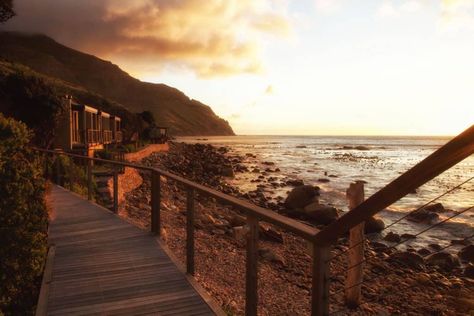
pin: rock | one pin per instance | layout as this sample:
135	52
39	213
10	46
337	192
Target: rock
361	148
443	260
237	220
409	259
301	196
469	271
227	171
374	225
423	252
436	208
271	256
408	236
268	163
467	254
269	234
301	146
392	237
240	232
295	182
324	180
322	214
435	247
423	216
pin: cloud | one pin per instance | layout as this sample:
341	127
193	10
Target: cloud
457	14
390	9
269	89
211	38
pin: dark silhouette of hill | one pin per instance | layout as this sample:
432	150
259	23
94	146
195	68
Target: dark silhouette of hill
170	106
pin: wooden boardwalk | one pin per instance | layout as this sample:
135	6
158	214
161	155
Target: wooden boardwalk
102	265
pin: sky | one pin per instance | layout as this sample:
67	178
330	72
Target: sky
289	67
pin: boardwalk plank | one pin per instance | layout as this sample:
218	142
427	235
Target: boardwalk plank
106	266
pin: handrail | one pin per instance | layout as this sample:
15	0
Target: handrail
456	150
305	231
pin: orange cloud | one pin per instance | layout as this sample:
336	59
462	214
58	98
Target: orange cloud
211	37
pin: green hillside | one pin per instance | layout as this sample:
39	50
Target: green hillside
170	106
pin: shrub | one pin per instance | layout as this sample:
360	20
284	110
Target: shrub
23	220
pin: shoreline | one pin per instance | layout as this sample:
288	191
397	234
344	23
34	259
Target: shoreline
285	264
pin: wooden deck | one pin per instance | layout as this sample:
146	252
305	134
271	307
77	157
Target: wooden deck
102	265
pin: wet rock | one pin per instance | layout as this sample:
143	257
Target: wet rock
301	146
323	180
423	216
295	182
423	252
467	254
408	236
436	208
409	259
268	163
361	148
435	247
374	225
321	214
392	237
443	260
301	196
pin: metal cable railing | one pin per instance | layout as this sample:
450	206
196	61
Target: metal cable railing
405	216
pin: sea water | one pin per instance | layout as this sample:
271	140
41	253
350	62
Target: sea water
376	160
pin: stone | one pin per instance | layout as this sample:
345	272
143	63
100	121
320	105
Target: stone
436	208
322	214
227	171
269	234
423	252
301	196
469	271
423	216
374	225
443	260
295	182
392	237
271	256
467	254
409	259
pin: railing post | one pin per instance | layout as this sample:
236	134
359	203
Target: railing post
355	195
58	171
190	231
155	203
251	272
89	179
116	184
320	280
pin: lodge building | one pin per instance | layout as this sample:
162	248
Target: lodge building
84	129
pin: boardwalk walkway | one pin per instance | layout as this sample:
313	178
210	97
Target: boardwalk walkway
103	265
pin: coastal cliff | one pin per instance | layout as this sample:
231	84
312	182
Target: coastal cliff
170	106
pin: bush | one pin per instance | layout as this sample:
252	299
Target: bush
23	220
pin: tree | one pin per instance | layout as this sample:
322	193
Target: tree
148	117
23	220
6	10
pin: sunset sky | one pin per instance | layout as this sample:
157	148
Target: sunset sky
287	67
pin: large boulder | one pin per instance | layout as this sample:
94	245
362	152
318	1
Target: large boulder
423	215
228	171
443	260
321	214
374	225
409	259
467	253
301	196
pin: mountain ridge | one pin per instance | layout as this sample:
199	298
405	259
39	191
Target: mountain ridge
170	106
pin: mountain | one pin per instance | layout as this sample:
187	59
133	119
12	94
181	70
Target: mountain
170	106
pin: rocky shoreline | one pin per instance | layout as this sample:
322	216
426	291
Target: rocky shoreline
437	283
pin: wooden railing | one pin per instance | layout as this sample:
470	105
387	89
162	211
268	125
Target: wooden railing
118	137
254	214
93	136
107	136
322	241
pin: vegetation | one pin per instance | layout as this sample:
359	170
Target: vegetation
6	10
23	220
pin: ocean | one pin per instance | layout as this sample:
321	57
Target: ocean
377	160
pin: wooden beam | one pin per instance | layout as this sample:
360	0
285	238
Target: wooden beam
355	195
155	203
251	272
190	231
320	281
458	149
